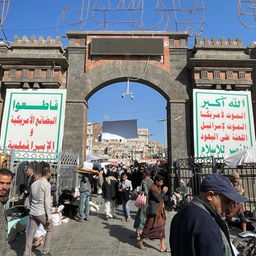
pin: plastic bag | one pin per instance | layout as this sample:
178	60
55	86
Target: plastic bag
141	201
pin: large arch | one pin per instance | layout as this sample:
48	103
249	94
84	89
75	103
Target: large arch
119	71
169	82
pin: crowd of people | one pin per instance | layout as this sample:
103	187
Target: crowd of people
116	185
202	223
198	228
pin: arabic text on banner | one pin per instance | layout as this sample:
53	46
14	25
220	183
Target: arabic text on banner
223	122
33	120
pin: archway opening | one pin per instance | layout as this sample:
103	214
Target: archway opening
121	101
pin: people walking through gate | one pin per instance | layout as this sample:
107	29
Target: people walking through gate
40	212
238	211
85	193
198	228
109	193
125	188
6	178
140	218
154	227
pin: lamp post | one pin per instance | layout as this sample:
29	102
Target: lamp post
163	120
150	144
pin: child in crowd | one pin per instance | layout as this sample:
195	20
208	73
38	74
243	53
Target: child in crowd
125	188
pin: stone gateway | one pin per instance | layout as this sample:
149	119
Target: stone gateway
160	60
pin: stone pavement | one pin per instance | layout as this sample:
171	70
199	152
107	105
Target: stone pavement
97	236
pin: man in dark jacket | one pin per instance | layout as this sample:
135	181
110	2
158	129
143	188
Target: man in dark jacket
30	178
198	228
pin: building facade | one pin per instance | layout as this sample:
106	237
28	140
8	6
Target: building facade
125	151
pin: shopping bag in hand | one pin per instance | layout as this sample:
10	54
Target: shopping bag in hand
141	200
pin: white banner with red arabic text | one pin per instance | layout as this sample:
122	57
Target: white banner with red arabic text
223	122
33	120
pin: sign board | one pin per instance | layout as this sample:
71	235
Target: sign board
33	121
223	122
121	129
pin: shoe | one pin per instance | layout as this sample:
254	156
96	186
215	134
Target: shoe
109	216
128	219
141	246
86	219
80	220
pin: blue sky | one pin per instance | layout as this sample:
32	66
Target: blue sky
55	17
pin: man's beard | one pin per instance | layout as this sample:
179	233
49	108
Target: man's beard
5	197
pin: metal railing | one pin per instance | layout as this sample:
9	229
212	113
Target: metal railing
193	170
63	166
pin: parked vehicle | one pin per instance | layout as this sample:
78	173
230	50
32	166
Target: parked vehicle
245	243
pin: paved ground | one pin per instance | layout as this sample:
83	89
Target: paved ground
97	237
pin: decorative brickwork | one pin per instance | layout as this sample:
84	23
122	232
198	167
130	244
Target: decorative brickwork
159	61
222	63
33	63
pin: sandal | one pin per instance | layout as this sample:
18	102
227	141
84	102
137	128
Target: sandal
38	242
141	246
138	235
165	250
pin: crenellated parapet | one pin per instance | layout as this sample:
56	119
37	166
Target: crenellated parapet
221	43
221	64
33	63
33	41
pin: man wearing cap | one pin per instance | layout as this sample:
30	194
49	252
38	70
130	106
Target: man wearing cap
198	228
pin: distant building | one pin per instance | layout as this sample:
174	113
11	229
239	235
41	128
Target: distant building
121	150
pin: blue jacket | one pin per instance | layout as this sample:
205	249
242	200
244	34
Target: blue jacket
197	230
